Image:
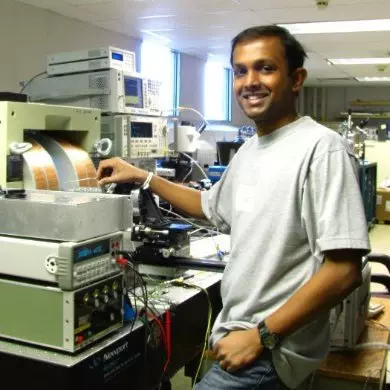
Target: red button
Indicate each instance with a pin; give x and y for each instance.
(79, 339)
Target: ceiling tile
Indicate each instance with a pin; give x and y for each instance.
(81, 2)
(47, 4)
(334, 13)
(307, 4)
(203, 27)
(73, 12)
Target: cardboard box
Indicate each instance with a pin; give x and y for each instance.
(383, 204)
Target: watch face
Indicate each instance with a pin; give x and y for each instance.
(270, 341)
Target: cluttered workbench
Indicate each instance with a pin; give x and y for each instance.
(134, 356)
(76, 312)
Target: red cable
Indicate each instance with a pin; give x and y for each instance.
(168, 337)
(163, 333)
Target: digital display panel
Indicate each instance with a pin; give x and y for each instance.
(88, 251)
(141, 130)
(117, 56)
(133, 92)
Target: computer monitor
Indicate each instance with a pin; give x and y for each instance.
(226, 150)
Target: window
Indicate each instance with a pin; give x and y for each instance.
(217, 89)
(161, 63)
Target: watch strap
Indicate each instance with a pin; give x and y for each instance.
(268, 339)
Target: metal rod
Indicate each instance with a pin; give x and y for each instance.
(188, 263)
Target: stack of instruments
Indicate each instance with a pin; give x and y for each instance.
(60, 285)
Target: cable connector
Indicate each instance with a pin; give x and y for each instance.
(121, 261)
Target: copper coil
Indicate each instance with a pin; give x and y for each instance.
(39, 169)
(82, 164)
(73, 164)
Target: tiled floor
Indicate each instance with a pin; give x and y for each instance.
(380, 243)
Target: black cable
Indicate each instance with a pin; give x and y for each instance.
(143, 312)
(134, 305)
(144, 291)
(148, 305)
(31, 80)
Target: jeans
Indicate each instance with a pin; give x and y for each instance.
(260, 375)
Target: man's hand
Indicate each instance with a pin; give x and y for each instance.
(116, 170)
(238, 349)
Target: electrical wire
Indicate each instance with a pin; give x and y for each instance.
(31, 80)
(196, 231)
(126, 262)
(196, 163)
(208, 328)
(184, 219)
(360, 347)
(186, 176)
(184, 108)
(378, 324)
(371, 374)
(166, 346)
(175, 282)
(312, 378)
(373, 345)
(148, 310)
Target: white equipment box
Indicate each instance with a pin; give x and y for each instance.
(68, 265)
(91, 60)
(347, 319)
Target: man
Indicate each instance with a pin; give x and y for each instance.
(291, 201)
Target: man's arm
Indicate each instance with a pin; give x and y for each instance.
(336, 279)
(116, 170)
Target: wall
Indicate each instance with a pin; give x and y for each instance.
(40, 32)
(337, 100)
(29, 34)
(191, 84)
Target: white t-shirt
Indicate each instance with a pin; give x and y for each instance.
(285, 199)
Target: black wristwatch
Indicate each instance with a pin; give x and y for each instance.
(268, 340)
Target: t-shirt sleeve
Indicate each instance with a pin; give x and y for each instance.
(216, 203)
(332, 206)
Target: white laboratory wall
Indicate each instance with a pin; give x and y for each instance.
(191, 84)
(28, 34)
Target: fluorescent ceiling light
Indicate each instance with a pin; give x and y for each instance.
(359, 61)
(156, 16)
(159, 30)
(338, 27)
(373, 79)
(158, 36)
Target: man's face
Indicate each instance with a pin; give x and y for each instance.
(262, 84)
